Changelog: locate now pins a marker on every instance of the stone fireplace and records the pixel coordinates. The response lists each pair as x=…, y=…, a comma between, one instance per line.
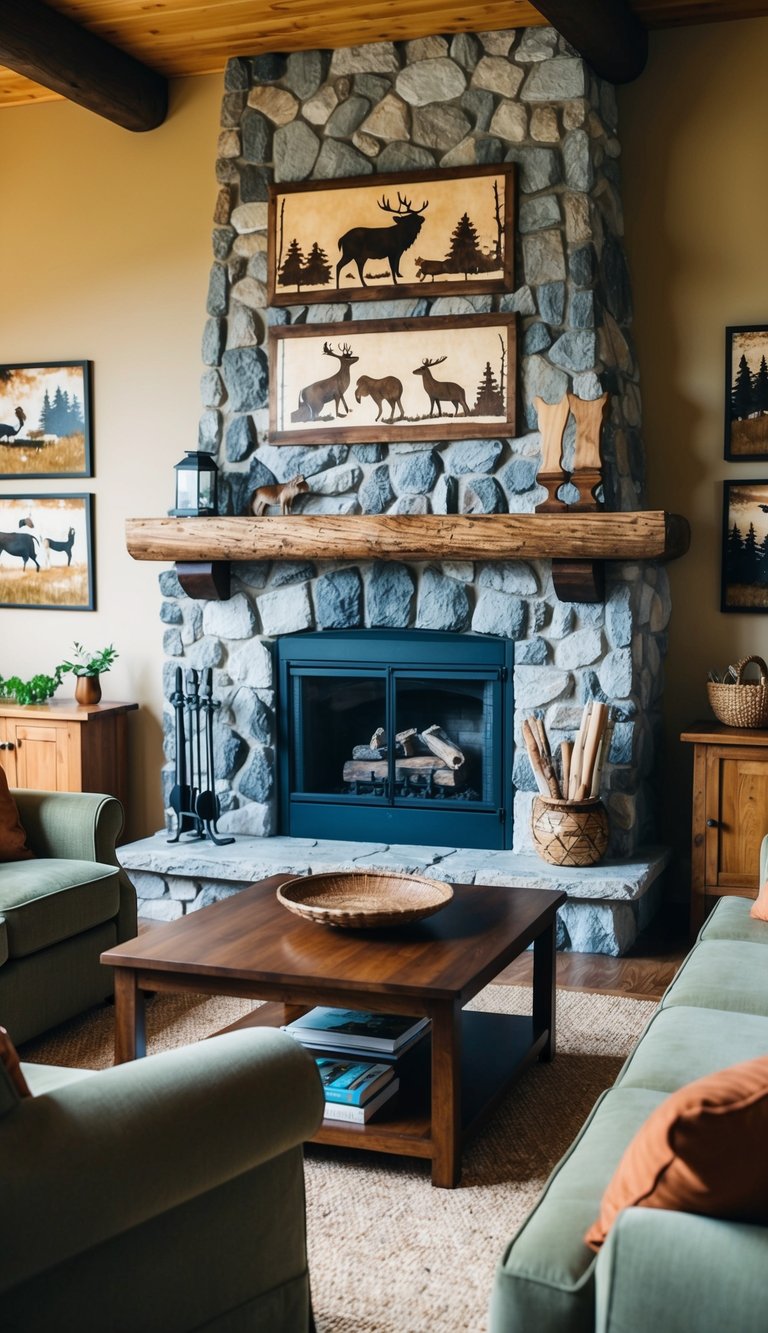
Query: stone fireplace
x=520, y=97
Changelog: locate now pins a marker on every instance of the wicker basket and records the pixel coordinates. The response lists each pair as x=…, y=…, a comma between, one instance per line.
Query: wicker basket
x=362, y=898
x=744, y=704
x=569, y=833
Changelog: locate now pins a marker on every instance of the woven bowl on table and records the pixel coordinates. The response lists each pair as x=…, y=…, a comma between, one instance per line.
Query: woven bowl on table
x=363, y=898
x=745, y=703
x=569, y=833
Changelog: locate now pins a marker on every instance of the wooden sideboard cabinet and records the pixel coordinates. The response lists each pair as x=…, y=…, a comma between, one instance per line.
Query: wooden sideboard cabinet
x=730, y=812
x=63, y=746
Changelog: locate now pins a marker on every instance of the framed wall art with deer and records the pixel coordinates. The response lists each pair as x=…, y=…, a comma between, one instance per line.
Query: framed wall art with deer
x=447, y=378
x=383, y=237
x=45, y=419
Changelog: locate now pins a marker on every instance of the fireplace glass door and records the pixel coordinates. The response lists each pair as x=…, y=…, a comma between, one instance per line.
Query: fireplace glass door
x=394, y=747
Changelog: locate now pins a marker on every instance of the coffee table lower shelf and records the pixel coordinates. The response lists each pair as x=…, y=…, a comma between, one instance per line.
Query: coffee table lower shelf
x=495, y=1050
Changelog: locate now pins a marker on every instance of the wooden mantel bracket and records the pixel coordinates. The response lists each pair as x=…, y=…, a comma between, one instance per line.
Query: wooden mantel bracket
x=578, y=544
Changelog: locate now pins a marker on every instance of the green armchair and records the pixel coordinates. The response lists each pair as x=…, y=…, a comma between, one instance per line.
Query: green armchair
x=59, y=911
x=160, y=1196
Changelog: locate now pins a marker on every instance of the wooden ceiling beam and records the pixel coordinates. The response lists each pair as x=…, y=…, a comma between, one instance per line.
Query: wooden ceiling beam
x=605, y=32
x=49, y=48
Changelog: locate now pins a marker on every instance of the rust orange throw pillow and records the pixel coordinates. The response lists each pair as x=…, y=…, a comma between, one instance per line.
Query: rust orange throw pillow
x=701, y=1151
x=759, y=908
x=13, y=839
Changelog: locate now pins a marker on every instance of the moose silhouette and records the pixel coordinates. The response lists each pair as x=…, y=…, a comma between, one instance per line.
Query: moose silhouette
x=360, y=244
x=388, y=390
x=314, y=397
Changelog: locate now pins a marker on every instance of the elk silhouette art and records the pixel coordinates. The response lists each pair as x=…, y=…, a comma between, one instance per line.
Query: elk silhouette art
x=388, y=390
x=314, y=397
x=7, y=432
x=360, y=244
x=441, y=391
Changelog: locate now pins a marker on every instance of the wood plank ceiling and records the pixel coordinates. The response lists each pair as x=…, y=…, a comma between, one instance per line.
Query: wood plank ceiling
x=176, y=38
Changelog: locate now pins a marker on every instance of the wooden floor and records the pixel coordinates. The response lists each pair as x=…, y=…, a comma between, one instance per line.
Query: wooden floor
x=642, y=974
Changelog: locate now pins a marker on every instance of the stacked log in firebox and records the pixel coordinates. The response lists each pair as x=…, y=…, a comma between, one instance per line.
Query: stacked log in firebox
x=427, y=763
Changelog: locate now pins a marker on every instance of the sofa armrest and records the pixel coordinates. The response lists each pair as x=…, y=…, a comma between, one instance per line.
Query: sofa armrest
x=763, y=861
x=99, y=1156
x=677, y=1271
x=81, y=826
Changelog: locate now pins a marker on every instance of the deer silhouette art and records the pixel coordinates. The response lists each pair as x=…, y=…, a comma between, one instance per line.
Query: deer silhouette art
x=314, y=397
x=441, y=391
x=360, y=244
x=7, y=432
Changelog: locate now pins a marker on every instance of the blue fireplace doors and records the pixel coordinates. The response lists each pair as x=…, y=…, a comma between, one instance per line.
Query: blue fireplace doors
x=396, y=736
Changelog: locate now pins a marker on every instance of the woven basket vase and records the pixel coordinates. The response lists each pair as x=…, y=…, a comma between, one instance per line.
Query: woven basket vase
x=569, y=833
x=744, y=704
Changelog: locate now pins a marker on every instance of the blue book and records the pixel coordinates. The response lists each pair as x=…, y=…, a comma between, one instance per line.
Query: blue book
x=352, y=1082
x=356, y=1029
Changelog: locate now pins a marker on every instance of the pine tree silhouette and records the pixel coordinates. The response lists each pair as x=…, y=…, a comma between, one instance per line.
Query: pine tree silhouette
x=760, y=388
x=44, y=423
x=292, y=272
x=489, y=400
x=317, y=270
x=742, y=391
x=465, y=255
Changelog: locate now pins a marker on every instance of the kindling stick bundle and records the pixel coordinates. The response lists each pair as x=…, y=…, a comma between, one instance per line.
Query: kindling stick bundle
x=581, y=761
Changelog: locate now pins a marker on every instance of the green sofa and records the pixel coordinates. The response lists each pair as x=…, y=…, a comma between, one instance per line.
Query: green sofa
x=161, y=1196
x=659, y=1271
x=61, y=910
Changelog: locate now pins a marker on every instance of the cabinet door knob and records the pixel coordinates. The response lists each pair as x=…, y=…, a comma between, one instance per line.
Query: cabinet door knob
x=713, y=823
x=3, y=745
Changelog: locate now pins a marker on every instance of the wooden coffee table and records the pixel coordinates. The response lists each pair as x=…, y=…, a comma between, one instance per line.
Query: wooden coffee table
x=249, y=945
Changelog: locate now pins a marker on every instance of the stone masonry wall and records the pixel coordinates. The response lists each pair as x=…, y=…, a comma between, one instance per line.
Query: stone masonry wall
x=518, y=96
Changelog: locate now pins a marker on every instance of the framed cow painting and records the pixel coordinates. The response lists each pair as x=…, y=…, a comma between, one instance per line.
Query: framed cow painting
x=46, y=552
x=389, y=237
x=45, y=420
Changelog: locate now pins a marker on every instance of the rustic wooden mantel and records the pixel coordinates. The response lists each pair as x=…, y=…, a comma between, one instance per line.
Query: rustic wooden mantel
x=578, y=544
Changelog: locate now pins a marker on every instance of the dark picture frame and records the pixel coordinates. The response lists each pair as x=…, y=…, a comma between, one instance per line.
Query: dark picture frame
x=746, y=393
x=46, y=552
x=45, y=420
x=377, y=375
x=745, y=546
x=376, y=234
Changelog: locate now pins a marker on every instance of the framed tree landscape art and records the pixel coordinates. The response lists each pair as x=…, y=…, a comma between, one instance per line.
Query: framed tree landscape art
x=46, y=552
x=388, y=237
x=746, y=392
x=45, y=420
x=392, y=380
x=745, y=546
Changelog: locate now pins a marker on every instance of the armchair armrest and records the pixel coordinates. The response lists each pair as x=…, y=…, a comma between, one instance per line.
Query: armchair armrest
x=678, y=1271
x=106, y=1153
x=82, y=826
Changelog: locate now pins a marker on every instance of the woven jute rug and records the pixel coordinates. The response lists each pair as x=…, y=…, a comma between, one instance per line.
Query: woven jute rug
x=388, y=1253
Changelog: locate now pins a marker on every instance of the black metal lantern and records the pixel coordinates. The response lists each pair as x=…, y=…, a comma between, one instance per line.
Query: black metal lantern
x=195, y=486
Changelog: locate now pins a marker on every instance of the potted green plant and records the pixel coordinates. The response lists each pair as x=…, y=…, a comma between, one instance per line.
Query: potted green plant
x=87, y=667
x=34, y=691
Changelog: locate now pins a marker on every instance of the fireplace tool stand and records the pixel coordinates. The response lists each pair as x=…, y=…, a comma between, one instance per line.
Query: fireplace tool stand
x=196, y=807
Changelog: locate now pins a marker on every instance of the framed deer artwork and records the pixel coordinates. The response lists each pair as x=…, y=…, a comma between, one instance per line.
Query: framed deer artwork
x=445, y=378
x=385, y=237
x=46, y=552
x=45, y=419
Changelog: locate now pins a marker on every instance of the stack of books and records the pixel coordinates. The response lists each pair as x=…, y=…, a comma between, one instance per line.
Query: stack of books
x=356, y=1088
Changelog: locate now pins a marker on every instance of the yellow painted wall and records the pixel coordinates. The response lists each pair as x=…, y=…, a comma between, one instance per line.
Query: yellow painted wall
x=695, y=189
x=105, y=243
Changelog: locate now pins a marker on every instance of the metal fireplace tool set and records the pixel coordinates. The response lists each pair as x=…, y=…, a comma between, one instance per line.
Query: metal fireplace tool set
x=196, y=806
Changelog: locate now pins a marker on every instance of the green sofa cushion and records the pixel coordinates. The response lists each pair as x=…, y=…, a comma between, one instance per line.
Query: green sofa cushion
x=45, y=901
x=722, y=974
x=731, y=921
x=682, y=1044
x=545, y=1277
x=46, y=1078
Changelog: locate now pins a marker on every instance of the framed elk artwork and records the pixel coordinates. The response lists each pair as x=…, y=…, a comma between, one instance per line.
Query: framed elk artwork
x=45, y=420
x=746, y=392
x=382, y=237
x=46, y=552
x=409, y=379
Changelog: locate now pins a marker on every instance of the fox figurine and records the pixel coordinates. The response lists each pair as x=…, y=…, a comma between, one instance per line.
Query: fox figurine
x=282, y=494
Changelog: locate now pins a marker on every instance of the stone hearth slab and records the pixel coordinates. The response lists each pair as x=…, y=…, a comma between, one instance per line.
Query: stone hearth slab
x=608, y=903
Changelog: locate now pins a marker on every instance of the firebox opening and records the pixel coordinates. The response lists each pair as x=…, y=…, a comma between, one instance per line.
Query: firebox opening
x=396, y=736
